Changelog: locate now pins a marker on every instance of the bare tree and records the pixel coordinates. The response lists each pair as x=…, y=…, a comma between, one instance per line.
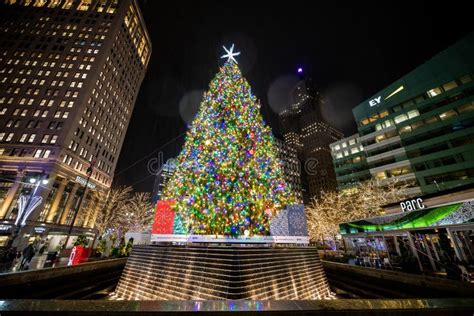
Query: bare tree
x=365, y=200
x=112, y=212
x=139, y=213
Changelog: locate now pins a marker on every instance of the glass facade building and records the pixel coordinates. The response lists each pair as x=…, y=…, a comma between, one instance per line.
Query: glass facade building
x=419, y=129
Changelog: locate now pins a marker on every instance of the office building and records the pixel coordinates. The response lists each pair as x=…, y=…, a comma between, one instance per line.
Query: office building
x=306, y=130
x=419, y=129
x=290, y=166
x=70, y=74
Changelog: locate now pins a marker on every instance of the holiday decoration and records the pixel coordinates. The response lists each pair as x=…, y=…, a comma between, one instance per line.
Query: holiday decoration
x=228, y=180
x=164, y=218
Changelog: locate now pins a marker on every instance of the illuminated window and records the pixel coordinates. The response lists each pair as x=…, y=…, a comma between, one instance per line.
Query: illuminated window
x=23, y=138
x=45, y=139
x=405, y=129
x=400, y=118
x=380, y=138
x=354, y=150
x=434, y=92
x=448, y=114
x=53, y=140
x=413, y=113
x=32, y=138
x=450, y=85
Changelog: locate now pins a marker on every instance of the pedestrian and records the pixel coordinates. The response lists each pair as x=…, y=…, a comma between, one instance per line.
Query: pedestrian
x=28, y=254
x=10, y=256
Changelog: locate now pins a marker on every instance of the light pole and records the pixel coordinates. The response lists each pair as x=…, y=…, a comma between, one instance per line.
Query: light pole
x=76, y=211
x=37, y=181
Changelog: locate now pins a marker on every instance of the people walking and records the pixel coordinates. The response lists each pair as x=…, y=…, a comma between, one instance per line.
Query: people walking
x=28, y=254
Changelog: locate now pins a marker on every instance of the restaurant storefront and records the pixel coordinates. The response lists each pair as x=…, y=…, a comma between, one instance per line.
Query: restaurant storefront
x=432, y=236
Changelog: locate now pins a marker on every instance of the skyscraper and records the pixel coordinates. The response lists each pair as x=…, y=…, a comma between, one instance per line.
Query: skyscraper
x=290, y=166
x=305, y=129
x=70, y=74
x=162, y=176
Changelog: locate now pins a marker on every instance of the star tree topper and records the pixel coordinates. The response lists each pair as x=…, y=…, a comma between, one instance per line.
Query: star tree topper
x=230, y=54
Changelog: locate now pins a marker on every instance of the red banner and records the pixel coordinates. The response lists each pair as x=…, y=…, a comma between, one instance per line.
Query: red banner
x=164, y=218
x=78, y=255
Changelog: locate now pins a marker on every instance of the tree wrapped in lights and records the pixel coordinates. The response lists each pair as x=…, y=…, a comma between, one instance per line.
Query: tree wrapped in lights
x=138, y=213
x=111, y=215
x=228, y=178
x=366, y=200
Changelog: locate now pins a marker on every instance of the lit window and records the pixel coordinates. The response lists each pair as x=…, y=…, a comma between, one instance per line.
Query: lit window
x=450, y=85
x=45, y=139
x=405, y=129
x=23, y=138
x=47, y=152
x=413, y=113
x=434, y=92
x=32, y=138
x=354, y=150
x=38, y=153
x=54, y=138
x=400, y=118
x=448, y=114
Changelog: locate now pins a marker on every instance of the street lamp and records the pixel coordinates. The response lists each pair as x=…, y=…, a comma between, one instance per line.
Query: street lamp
x=23, y=213
x=78, y=205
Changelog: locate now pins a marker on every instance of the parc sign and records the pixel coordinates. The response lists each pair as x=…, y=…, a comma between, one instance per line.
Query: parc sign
x=412, y=205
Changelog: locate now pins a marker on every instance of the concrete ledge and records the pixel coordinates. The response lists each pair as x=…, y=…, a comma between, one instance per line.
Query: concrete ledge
x=19, y=277
x=402, y=279
x=339, y=307
x=81, y=281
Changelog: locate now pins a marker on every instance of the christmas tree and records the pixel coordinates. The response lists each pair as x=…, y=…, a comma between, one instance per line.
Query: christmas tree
x=228, y=178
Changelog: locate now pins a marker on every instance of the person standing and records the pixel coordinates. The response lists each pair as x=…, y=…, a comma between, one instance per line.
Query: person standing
x=28, y=254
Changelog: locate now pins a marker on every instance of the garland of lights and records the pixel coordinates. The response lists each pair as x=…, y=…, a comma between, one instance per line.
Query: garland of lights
x=228, y=178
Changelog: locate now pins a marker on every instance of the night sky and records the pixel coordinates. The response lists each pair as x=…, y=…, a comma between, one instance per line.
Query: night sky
x=350, y=50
